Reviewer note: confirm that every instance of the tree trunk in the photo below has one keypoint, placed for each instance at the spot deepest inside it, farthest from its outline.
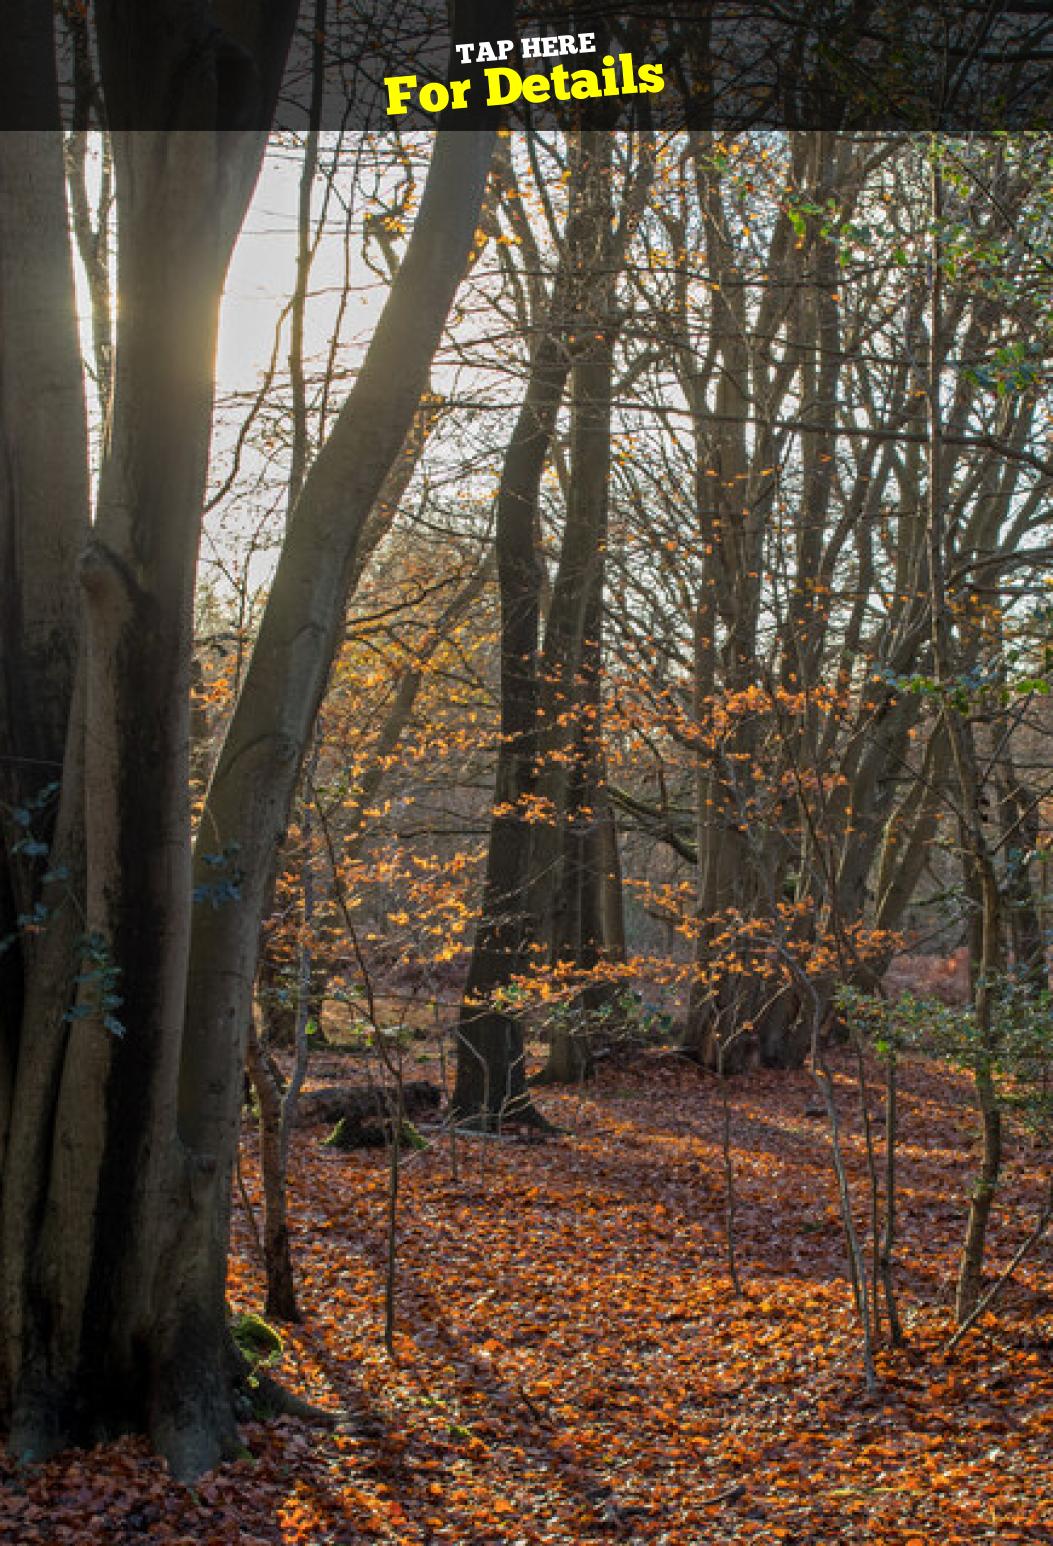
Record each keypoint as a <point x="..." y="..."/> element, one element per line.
<point x="980" y="879"/>
<point x="123" y="1050"/>
<point x="491" y="1078"/>
<point x="725" y="634"/>
<point x="95" y="1181"/>
<point x="570" y="865"/>
<point x="277" y="1252"/>
<point x="525" y="903"/>
<point x="1019" y="807"/>
<point x="44" y="512"/>
<point x="252" y="788"/>
<point x="97" y="1187"/>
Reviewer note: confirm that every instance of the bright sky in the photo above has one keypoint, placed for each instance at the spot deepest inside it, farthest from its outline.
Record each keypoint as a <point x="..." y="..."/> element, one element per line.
<point x="260" y="282"/>
<point x="263" y="272"/>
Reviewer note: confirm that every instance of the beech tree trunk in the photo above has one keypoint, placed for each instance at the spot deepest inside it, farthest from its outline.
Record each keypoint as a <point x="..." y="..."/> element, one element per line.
<point x="491" y="1077"/>
<point x="571" y="859"/>
<point x="125" y="1006"/>
<point x="93" y="1173"/>
<point x="528" y="899"/>
<point x="96" y="1184"/>
<point x="276" y="1114"/>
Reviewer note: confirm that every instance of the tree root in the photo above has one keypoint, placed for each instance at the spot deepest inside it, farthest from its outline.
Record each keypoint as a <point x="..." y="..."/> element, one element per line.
<point x="271" y="1399"/>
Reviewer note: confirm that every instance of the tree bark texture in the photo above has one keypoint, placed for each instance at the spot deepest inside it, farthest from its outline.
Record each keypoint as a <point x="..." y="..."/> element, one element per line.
<point x="125" y="1005"/>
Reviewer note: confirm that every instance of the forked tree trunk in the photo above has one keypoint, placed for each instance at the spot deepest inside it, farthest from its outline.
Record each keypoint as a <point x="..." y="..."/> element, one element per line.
<point x="522" y="891"/>
<point x="43" y="521"/>
<point x="95" y="1180"/>
<point x="491" y="1075"/>
<point x="728" y="605"/>
<point x="570" y="862"/>
<point x="123" y="1049"/>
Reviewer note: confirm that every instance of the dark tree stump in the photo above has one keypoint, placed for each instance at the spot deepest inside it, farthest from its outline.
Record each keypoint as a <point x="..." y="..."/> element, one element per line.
<point x="364" y="1114"/>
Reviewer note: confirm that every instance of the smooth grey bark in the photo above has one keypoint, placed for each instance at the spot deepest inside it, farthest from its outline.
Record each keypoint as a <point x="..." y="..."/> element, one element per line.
<point x="117" y="1170"/>
<point x="569" y="858"/>
<point x="27" y="68"/>
<point x="252" y="788"/>
<point x="43" y="470"/>
<point x="97" y="1186"/>
<point x="91" y="1306"/>
<point x="733" y="510"/>
<point x="491" y="1083"/>
<point x="43" y="521"/>
<point x="491" y="1076"/>
<point x="277" y="1103"/>
<point x="539" y="681"/>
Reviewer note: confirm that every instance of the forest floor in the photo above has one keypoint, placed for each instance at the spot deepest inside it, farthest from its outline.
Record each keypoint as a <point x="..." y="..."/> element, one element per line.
<point x="571" y="1364"/>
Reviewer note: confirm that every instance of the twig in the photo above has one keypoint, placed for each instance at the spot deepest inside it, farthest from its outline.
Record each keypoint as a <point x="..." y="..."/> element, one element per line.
<point x="246" y="1203"/>
<point x="996" y="1288"/>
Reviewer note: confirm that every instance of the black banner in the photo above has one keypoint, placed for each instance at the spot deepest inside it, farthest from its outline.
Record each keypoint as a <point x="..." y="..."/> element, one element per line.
<point x="382" y="65"/>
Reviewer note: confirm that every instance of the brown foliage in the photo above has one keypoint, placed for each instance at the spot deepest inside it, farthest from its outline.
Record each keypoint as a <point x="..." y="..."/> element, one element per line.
<point x="573" y="1367"/>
